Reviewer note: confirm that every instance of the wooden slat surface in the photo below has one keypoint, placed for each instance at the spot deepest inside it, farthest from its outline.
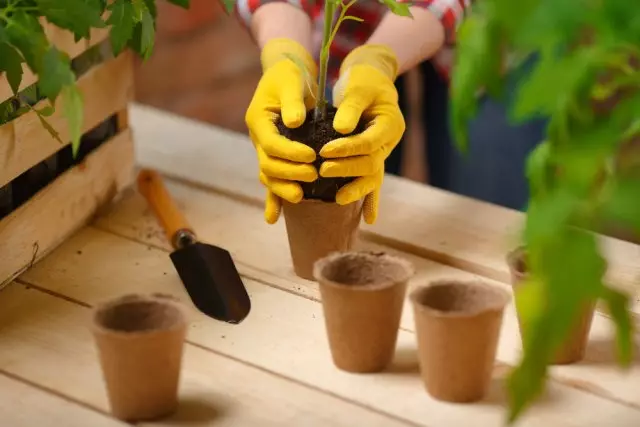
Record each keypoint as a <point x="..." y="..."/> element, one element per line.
<point x="275" y="367"/>
<point x="38" y="226"/>
<point x="106" y="89"/>
<point x="231" y="224"/>
<point x="46" y="341"/>
<point x="22" y="405"/>
<point x="285" y="334"/>
<point x="461" y="232"/>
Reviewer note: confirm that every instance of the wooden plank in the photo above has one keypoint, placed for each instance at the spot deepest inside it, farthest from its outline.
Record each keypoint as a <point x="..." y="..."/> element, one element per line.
<point x="285" y="334"/>
<point x="221" y="221"/>
<point x="22" y="405"/>
<point x="38" y="226"/>
<point x="106" y="89"/>
<point x="46" y="341"/>
<point x="454" y="230"/>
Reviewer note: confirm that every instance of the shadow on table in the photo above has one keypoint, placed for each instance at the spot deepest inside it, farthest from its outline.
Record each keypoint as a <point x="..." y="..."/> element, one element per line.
<point x="196" y="411"/>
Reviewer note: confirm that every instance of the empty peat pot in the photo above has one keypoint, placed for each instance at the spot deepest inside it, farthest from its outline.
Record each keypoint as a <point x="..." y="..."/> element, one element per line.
<point x="457" y="327"/>
<point x="140" y="342"/>
<point x="362" y="298"/>
<point x="316" y="229"/>
<point x="574" y="348"/>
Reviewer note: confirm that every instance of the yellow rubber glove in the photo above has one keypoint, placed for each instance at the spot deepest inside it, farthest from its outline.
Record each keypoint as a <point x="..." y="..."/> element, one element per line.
<point x="286" y="87"/>
<point x="365" y="88"/>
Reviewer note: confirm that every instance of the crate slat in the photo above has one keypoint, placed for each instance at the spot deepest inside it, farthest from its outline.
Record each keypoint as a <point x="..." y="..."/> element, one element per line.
<point x="106" y="89"/>
<point x="65" y="205"/>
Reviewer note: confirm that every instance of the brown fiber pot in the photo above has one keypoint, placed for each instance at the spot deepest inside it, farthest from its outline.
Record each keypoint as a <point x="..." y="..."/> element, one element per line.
<point x="140" y="344"/>
<point x="573" y="350"/>
<point x="362" y="295"/>
<point x="458" y="327"/>
<point x="315" y="229"/>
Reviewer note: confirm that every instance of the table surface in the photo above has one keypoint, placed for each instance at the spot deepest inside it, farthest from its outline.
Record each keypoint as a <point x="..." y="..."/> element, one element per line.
<point x="274" y="369"/>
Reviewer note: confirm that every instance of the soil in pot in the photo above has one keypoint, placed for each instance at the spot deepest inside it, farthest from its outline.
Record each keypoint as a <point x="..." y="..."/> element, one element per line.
<point x="362" y="296"/>
<point x="457" y="327"/>
<point x="317" y="226"/>
<point x="574" y="348"/>
<point x="316" y="134"/>
<point x="140" y="342"/>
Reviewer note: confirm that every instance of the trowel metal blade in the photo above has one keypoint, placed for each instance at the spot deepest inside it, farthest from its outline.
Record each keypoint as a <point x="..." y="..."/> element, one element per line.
<point x="212" y="281"/>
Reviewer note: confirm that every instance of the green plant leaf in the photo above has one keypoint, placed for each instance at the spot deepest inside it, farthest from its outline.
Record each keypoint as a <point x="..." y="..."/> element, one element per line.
<point x="477" y="67"/>
<point x="56" y="73"/>
<point x="78" y="16"/>
<point x="26" y="34"/>
<point x="54" y="133"/>
<point x="622" y="206"/>
<point x="618" y="305"/>
<point x="401" y="9"/>
<point x="46" y="111"/>
<point x="73" y="110"/>
<point x="122" y="24"/>
<point x="181" y="3"/>
<point x="11" y="64"/>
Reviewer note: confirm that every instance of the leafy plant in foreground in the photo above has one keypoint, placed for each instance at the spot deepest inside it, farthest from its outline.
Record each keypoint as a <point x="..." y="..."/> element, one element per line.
<point x="585" y="77"/>
<point x="131" y="24"/>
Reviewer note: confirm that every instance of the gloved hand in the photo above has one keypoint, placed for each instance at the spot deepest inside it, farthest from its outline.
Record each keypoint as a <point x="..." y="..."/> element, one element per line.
<point x="286" y="87"/>
<point x="365" y="88"/>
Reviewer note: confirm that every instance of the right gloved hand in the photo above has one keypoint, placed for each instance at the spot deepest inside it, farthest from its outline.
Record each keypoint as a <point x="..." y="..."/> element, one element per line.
<point x="286" y="88"/>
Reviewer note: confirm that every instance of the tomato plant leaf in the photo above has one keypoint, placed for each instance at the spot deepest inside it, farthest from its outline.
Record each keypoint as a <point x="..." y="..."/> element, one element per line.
<point x="73" y="109"/>
<point x="618" y="305"/>
<point x="57" y="73"/>
<point x="122" y="24"/>
<point x="11" y="64"/>
<point x="78" y="16"/>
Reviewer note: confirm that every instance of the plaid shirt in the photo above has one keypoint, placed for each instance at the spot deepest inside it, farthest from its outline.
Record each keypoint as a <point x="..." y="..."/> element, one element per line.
<point x="353" y="34"/>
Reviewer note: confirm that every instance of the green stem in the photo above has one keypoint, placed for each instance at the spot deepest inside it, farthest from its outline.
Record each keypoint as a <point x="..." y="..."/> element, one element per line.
<point x="320" y="111"/>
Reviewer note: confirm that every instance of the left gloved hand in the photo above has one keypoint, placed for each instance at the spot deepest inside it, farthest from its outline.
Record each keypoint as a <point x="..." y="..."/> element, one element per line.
<point x="364" y="89"/>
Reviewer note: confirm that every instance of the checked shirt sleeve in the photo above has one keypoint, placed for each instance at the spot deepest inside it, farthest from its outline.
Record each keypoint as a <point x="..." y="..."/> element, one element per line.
<point x="450" y="13"/>
<point x="244" y="9"/>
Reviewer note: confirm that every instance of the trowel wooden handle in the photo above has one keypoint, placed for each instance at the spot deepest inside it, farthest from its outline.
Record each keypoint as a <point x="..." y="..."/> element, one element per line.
<point x="151" y="186"/>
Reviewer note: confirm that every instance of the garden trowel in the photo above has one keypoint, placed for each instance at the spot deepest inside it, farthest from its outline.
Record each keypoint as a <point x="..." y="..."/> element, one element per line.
<point x="208" y="272"/>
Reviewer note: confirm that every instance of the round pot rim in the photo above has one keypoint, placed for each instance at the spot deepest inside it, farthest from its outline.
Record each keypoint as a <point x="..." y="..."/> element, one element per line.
<point x="320" y="264"/>
<point x="164" y="300"/>
<point x="499" y="289"/>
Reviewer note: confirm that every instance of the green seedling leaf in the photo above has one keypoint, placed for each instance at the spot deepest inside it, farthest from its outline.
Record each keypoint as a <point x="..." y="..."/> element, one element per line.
<point x="122" y="24"/>
<point x="401" y="9"/>
<point x="11" y="64"/>
<point x="73" y="110"/>
<point x="618" y="305"/>
<point x="229" y="5"/>
<point x="308" y="80"/>
<point x="139" y="6"/>
<point x="148" y="33"/>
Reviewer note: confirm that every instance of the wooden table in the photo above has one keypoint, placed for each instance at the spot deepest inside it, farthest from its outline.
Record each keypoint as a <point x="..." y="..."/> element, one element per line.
<point x="275" y="368"/>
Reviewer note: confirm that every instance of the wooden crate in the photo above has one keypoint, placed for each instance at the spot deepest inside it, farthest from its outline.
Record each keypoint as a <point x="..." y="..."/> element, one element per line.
<point x="70" y="199"/>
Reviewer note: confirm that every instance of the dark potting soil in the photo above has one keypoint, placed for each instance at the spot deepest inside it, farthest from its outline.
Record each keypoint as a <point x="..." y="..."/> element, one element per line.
<point x="316" y="135"/>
